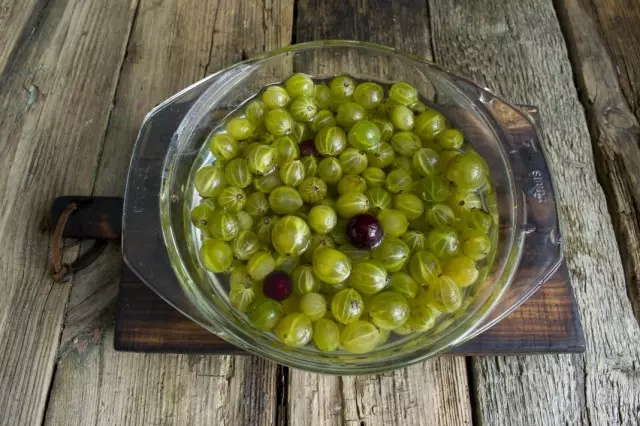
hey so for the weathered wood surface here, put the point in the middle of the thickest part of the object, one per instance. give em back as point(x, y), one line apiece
point(93, 291)
point(518, 50)
point(610, 92)
point(98, 386)
point(59, 68)
point(51, 140)
point(423, 393)
point(95, 385)
point(17, 19)
point(428, 393)
point(173, 44)
point(618, 24)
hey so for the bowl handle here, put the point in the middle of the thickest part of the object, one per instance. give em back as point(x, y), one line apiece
point(541, 240)
point(143, 246)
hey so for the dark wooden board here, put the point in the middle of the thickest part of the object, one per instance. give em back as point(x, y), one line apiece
point(547, 322)
point(146, 323)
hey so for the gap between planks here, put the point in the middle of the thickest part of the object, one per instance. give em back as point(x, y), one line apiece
point(283, 374)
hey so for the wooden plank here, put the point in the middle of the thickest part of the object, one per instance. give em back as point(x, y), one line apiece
point(173, 44)
point(94, 385)
point(427, 393)
point(370, 399)
point(518, 50)
point(94, 291)
point(610, 92)
point(51, 140)
point(17, 21)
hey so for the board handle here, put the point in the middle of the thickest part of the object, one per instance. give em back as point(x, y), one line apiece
point(96, 218)
point(83, 218)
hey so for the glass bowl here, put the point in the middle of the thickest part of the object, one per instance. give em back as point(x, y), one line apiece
point(159, 241)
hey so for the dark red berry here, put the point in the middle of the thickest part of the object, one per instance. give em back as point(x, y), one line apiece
point(277, 285)
point(308, 147)
point(364, 231)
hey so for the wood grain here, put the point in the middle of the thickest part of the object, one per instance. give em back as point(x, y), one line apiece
point(610, 111)
point(517, 49)
point(93, 293)
point(97, 218)
point(418, 395)
point(56, 98)
point(173, 44)
point(51, 141)
point(618, 24)
point(95, 386)
point(364, 400)
point(17, 21)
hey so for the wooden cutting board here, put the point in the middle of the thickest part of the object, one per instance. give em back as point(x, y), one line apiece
point(547, 323)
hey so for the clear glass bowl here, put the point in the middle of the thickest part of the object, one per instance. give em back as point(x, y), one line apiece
point(158, 238)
